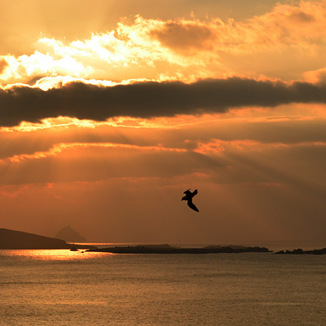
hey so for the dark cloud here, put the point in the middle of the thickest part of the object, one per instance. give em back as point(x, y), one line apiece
point(149, 99)
point(181, 38)
point(301, 17)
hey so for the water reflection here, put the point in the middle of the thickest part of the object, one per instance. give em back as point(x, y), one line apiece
point(55, 254)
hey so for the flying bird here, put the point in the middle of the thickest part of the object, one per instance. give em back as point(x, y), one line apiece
point(188, 198)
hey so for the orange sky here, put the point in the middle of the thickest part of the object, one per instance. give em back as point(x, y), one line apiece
point(109, 110)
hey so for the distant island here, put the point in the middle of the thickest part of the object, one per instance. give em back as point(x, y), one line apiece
point(10, 239)
point(68, 234)
point(302, 252)
point(167, 249)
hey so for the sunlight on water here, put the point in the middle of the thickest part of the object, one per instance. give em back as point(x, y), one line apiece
point(55, 254)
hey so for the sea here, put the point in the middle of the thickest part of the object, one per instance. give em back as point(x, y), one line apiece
point(62, 287)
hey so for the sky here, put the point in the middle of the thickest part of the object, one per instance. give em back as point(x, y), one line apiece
point(110, 110)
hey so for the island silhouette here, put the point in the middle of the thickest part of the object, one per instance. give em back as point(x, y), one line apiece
point(167, 249)
point(68, 234)
point(302, 252)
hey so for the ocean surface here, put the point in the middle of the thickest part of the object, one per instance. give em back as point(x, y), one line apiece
point(61, 287)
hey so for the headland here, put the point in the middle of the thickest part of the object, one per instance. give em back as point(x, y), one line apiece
point(10, 239)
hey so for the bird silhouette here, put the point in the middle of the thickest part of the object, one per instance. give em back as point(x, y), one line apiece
point(188, 198)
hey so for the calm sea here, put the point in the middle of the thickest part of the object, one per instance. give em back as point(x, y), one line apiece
point(60, 287)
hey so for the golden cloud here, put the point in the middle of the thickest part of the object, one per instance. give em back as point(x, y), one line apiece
point(184, 49)
point(59, 148)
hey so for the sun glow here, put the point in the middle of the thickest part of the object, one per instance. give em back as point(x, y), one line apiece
point(55, 254)
point(60, 148)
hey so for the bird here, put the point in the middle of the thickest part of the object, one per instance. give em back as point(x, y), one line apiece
point(188, 198)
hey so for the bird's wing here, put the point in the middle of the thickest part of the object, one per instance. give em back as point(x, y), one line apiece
point(192, 206)
point(195, 192)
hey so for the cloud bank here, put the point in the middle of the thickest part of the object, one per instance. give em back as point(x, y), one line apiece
point(149, 99)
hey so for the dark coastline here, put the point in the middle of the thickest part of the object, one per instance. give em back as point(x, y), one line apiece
point(167, 249)
point(302, 252)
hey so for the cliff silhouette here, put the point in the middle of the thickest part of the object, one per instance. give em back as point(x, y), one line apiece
point(10, 239)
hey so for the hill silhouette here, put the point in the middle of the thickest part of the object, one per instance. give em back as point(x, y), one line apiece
point(10, 239)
